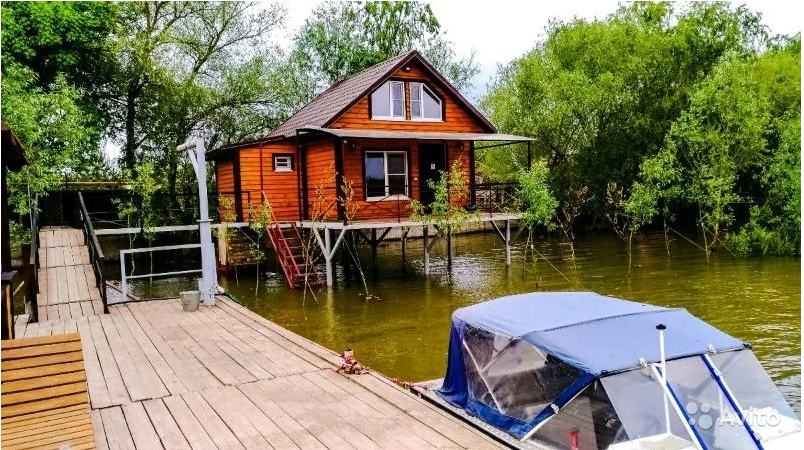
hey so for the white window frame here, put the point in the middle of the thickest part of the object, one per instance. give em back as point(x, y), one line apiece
point(388, 195)
point(391, 115)
point(286, 165)
point(421, 87)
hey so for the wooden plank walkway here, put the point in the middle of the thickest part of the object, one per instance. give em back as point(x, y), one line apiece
point(224, 377)
point(45, 402)
point(67, 288)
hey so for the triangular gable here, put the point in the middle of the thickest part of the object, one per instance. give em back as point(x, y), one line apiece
point(331, 104)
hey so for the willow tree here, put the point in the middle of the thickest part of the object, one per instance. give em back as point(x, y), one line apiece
point(600, 96)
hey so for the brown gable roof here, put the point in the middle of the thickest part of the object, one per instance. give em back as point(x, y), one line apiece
point(332, 103)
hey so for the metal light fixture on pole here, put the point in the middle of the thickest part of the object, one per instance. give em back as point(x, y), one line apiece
point(208, 284)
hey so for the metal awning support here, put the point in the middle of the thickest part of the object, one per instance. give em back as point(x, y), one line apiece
point(209, 282)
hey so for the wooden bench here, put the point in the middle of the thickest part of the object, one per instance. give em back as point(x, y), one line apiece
point(44, 394)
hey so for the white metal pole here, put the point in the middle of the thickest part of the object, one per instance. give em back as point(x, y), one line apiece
point(208, 283)
point(123, 284)
point(661, 329)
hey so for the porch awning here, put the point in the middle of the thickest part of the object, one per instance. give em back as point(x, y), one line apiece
point(414, 135)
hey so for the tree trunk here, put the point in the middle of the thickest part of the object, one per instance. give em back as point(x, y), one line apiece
point(130, 149)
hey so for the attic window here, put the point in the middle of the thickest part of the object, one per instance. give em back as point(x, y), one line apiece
point(424, 103)
point(388, 101)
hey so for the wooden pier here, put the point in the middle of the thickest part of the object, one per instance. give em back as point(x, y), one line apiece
point(67, 287)
point(225, 377)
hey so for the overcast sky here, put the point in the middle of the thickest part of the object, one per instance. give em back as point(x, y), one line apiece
point(499, 31)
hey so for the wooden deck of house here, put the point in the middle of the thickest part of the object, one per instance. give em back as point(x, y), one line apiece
point(67, 288)
point(224, 377)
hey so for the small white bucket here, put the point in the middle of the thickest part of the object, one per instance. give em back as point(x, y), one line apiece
point(190, 300)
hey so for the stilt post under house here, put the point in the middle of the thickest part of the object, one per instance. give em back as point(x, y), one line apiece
point(425, 241)
point(404, 247)
point(374, 248)
point(449, 247)
point(328, 257)
point(507, 242)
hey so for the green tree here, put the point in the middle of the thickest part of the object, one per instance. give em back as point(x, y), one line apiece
point(775, 223)
point(54, 131)
point(600, 96)
point(59, 38)
point(343, 38)
point(717, 140)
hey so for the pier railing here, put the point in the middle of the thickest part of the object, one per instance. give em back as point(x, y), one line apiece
point(96, 257)
point(32, 263)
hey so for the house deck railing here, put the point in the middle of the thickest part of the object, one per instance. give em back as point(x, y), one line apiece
point(391, 203)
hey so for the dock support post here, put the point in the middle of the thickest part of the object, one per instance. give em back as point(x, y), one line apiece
point(425, 231)
point(404, 247)
point(507, 242)
point(449, 247)
point(328, 257)
point(374, 248)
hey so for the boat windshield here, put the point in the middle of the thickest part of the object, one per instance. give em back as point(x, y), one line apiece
point(639, 400)
point(763, 406)
point(701, 407)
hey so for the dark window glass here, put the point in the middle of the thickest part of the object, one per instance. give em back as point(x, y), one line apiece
point(396, 164)
point(396, 184)
point(375, 175)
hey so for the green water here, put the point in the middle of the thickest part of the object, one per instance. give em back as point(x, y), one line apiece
point(403, 333)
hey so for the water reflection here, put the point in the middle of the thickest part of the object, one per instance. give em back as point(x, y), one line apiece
point(404, 332)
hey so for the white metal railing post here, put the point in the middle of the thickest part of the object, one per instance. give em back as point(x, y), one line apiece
point(124, 278)
point(123, 283)
point(208, 283)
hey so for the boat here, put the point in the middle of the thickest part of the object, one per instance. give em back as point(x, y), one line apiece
point(582, 371)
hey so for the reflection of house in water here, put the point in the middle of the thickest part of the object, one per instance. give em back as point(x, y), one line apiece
point(377, 139)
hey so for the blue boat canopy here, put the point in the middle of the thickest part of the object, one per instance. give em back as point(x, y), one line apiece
point(516, 360)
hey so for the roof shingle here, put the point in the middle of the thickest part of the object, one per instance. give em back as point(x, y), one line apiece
point(337, 97)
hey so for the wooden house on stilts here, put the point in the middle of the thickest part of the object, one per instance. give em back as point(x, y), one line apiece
point(375, 139)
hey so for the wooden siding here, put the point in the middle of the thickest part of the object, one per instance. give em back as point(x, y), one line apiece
point(281, 188)
point(457, 119)
point(392, 209)
point(321, 187)
point(224, 177)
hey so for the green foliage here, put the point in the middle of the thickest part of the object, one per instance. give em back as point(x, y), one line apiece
point(451, 193)
point(656, 109)
point(775, 225)
point(59, 39)
point(55, 134)
point(18, 235)
point(717, 139)
point(343, 38)
point(534, 197)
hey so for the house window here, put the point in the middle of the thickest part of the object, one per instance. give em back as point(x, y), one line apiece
point(283, 163)
point(388, 101)
point(424, 103)
point(386, 174)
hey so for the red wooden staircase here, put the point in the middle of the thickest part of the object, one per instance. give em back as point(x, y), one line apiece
point(298, 265)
